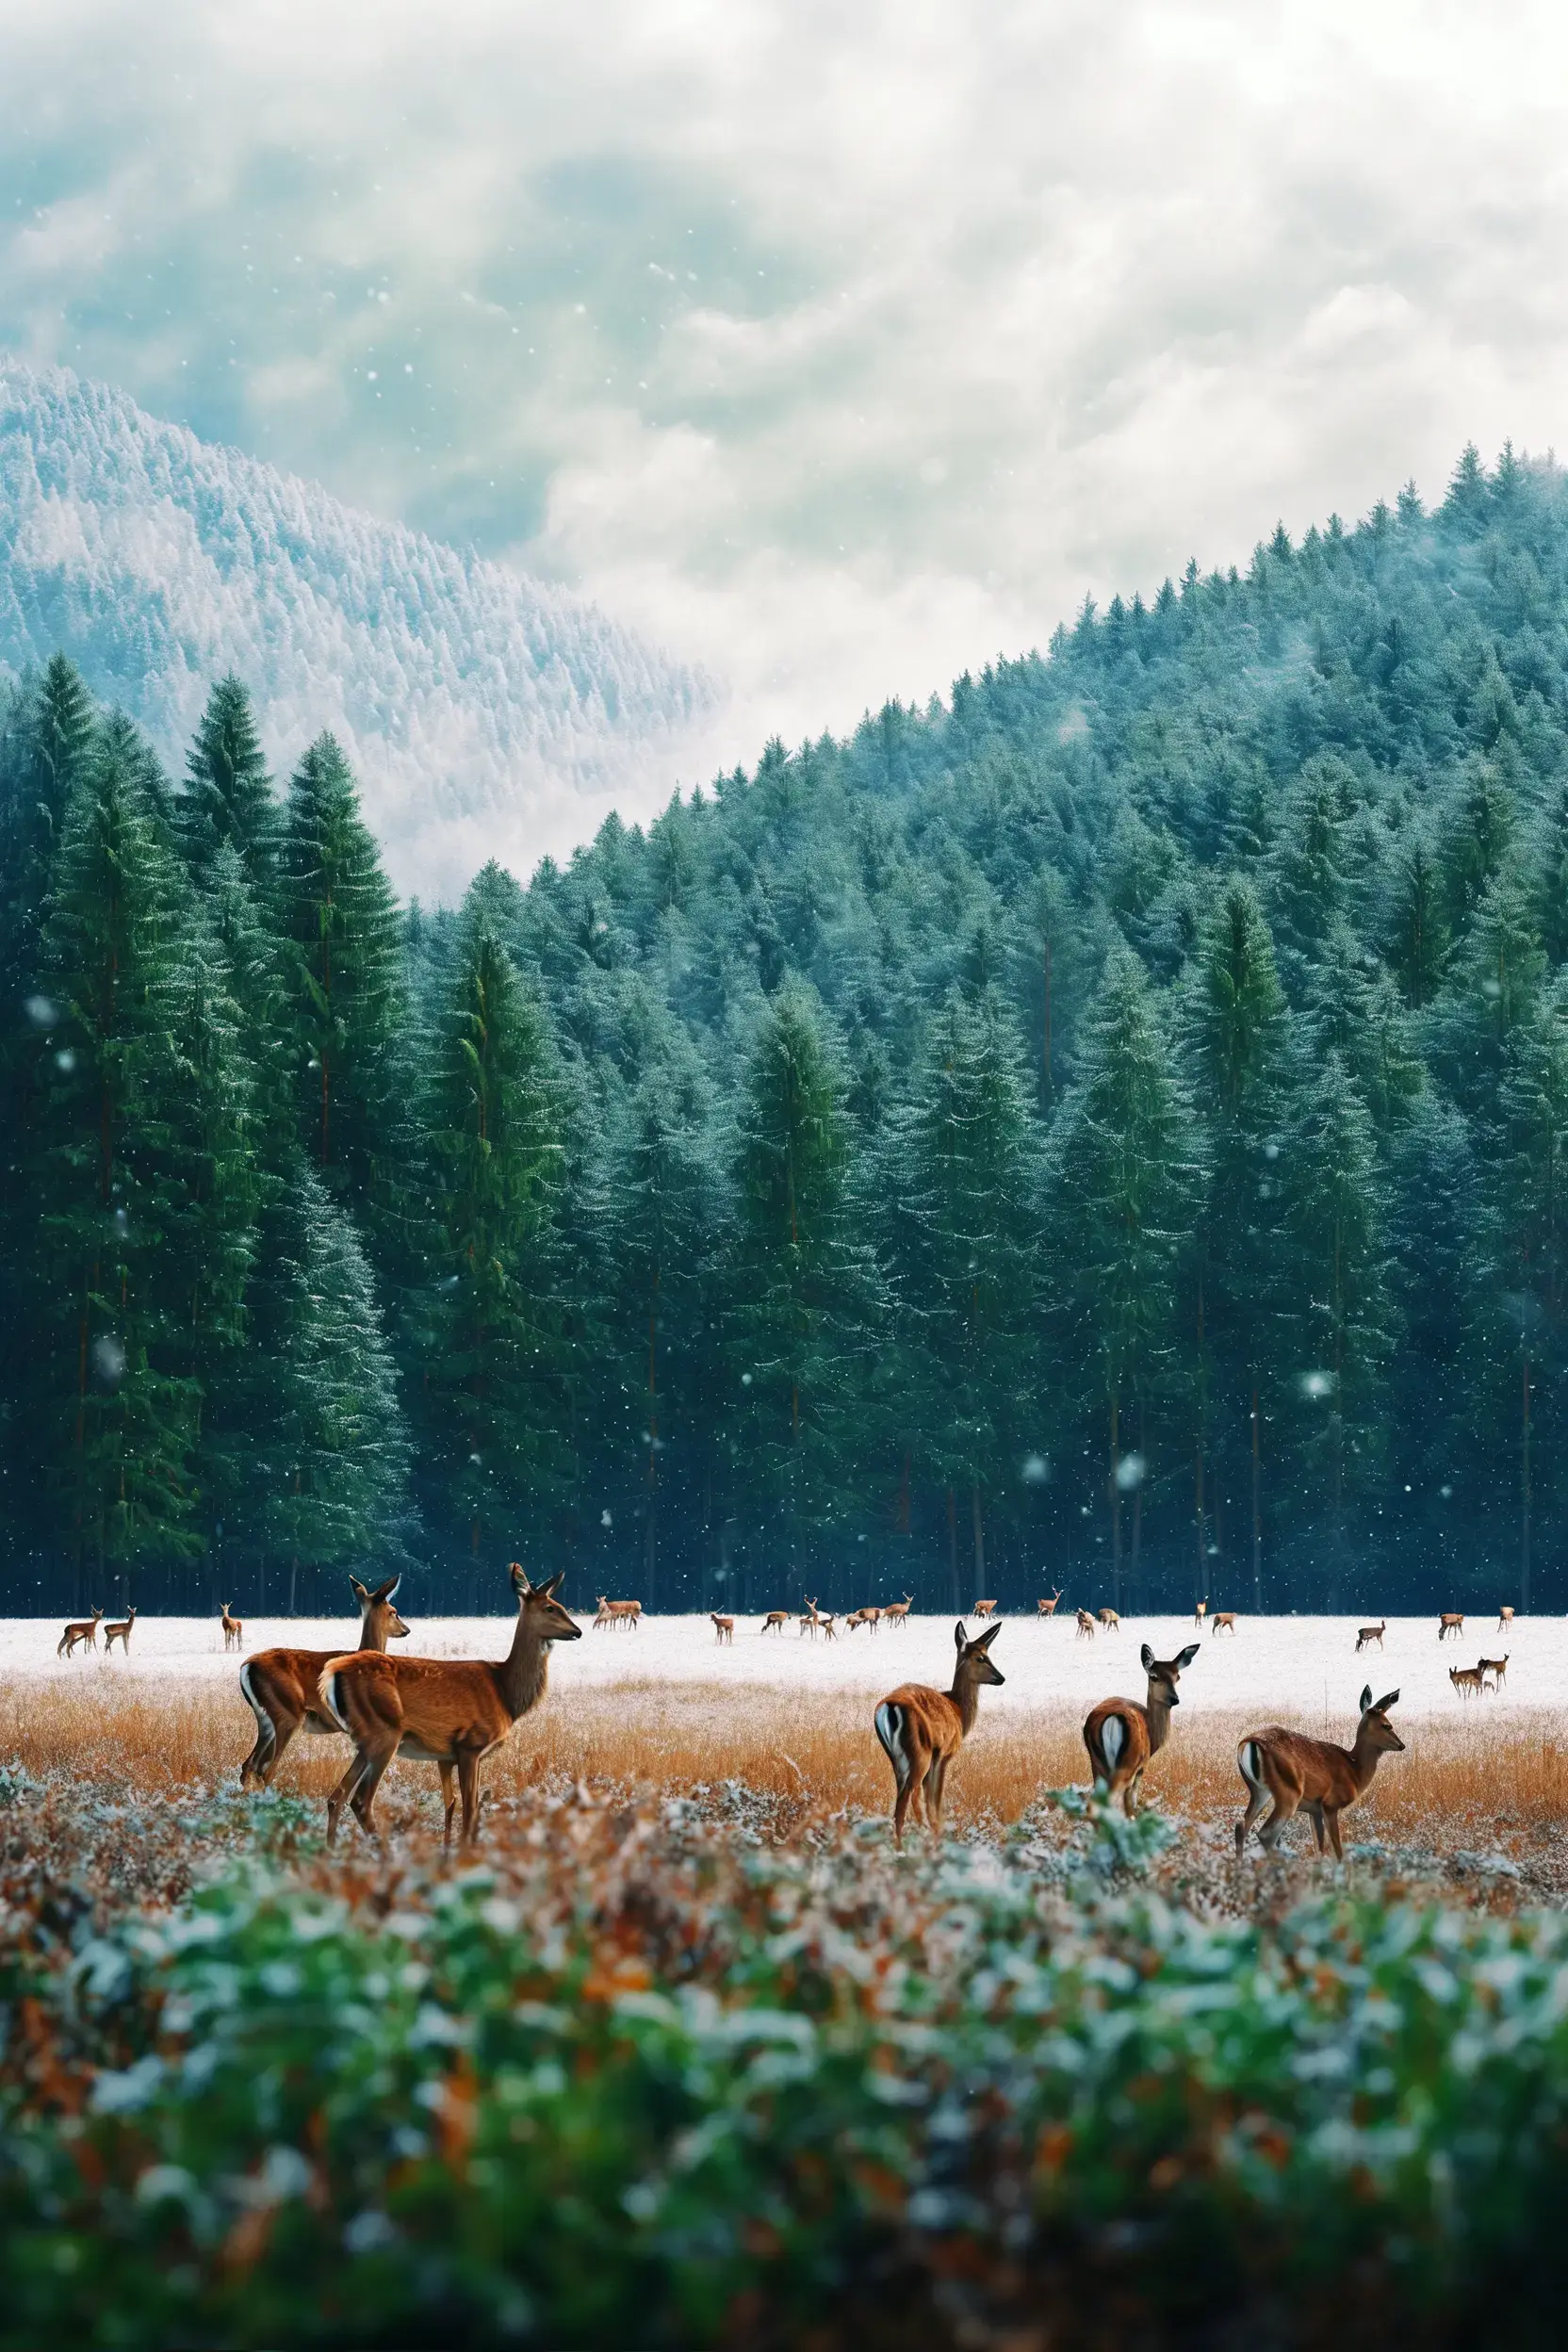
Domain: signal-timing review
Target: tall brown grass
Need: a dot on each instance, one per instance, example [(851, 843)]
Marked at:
[(1483, 1778)]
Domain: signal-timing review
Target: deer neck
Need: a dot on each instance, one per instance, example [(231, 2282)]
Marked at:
[(965, 1695), (1365, 1759), (520, 1677), (373, 1630), (1157, 1715)]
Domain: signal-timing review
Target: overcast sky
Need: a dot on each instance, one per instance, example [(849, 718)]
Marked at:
[(838, 346)]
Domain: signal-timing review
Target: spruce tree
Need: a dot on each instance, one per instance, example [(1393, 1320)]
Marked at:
[(1419, 933), (228, 796)]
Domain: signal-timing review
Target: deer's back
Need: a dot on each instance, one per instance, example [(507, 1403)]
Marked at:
[(1317, 1767), (931, 1712)]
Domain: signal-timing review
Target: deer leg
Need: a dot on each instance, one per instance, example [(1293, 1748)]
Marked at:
[(1333, 1837), (1285, 1805), (1255, 1802), (1315, 1814), (908, 1800), (449, 1802), (934, 1779), (1130, 1792), (467, 1781), (372, 1760)]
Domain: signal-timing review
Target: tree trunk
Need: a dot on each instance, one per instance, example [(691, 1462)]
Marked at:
[(979, 1519), (1525, 1494), (1257, 1511), (952, 1548), (1115, 1503)]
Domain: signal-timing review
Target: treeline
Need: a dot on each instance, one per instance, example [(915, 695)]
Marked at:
[(1104, 1132)]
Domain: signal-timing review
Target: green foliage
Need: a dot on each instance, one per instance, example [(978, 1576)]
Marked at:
[(228, 798)]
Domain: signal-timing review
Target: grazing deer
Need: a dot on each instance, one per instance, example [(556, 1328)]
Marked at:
[(618, 1612), (1121, 1735), (921, 1730), (1086, 1625), (233, 1627), (1048, 1609), (722, 1626), (869, 1617), (1313, 1775), (897, 1613), (775, 1621), (985, 1608), (1451, 1622), (1466, 1680), (85, 1629), (1201, 1609), (829, 1625), (450, 1712), (1505, 1618), (1366, 1635), (283, 1688), (121, 1633), (1223, 1621), (1496, 1668), (1110, 1620)]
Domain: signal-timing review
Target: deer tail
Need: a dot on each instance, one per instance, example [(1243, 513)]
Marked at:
[(889, 1720)]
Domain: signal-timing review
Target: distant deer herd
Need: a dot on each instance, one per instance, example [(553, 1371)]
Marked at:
[(454, 1713)]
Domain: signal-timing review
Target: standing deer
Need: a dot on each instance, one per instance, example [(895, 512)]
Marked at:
[(1048, 1609), (1110, 1620), (1451, 1622), (897, 1613), (985, 1608), (233, 1627), (1505, 1618), (809, 1623), (618, 1612), (921, 1729), (1313, 1775), (450, 1712), (1467, 1680), (283, 1688), (1199, 1611), (1496, 1668), (1223, 1621), (829, 1624), (775, 1621), (1366, 1635), (121, 1633), (1086, 1625), (722, 1626), (1121, 1735), (84, 1629)]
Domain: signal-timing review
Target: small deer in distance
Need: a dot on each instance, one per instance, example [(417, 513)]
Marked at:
[(1223, 1621), (1313, 1777), (618, 1612), (84, 1629), (1467, 1680), (1451, 1622), (1496, 1668), (775, 1621), (1366, 1635), (921, 1729), (1121, 1735), (1111, 1620), (1200, 1611), (722, 1626), (233, 1627), (897, 1613), (1505, 1618), (120, 1632), (1048, 1609), (985, 1608), (1086, 1625)]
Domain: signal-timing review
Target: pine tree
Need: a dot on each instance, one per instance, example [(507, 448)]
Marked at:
[(493, 1410), (1435, 1229), (1353, 1009), (1418, 928), (1308, 878), (1126, 1185), (228, 796)]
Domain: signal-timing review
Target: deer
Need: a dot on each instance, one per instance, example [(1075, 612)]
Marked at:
[(233, 1627), (1313, 1775), (829, 1624), (1223, 1621), (84, 1629), (921, 1729), (1110, 1620), (1048, 1609), (1086, 1625), (1366, 1635), (1200, 1611), (618, 1612), (120, 1632), (775, 1621), (1121, 1735), (985, 1608), (1505, 1618), (722, 1626), (1451, 1622), (1467, 1680), (448, 1712), (897, 1613), (870, 1617), (809, 1623), (1496, 1668), (281, 1687)]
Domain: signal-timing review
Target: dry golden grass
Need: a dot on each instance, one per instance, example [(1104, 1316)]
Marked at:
[(1490, 1777)]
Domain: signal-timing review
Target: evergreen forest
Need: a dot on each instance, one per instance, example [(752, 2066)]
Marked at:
[(1101, 1131)]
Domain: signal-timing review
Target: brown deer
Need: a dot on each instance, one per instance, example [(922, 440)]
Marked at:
[(1467, 1680), (921, 1729), (1451, 1622), (1201, 1609), (281, 1687), (618, 1612), (869, 1617), (1223, 1621), (233, 1627), (829, 1624), (1110, 1619), (722, 1626), (1505, 1618), (897, 1613), (775, 1621), (1048, 1609), (1496, 1668), (810, 1621), (448, 1712), (1086, 1625), (1366, 1635), (1314, 1776), (120, 1632), (84, 1629), (1121, 1735), (985, 1608)]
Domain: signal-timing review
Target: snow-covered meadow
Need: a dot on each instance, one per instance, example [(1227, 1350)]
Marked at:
[(1303, 1669)]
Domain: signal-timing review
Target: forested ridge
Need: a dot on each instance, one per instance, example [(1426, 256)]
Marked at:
[(1103, 1130)]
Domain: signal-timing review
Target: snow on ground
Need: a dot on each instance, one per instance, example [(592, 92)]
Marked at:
[(1302, 1669)]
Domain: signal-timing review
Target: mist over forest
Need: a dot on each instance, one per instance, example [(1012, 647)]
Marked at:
[(1103, 1131)]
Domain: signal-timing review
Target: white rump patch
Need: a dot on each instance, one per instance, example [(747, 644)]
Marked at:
[(890, 1730), (1250, 1762), (1113, 1738)]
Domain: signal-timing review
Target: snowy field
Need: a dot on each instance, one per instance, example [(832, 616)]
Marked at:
[(1304, 1669)]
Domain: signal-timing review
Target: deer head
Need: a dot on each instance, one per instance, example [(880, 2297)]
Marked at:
[(539, 1609), (380, 1598), (1163, 1678), (974, 1662), (1375, 1730)]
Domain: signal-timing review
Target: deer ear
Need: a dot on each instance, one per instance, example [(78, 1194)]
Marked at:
[(519, 1580), (1366, 1698), (548, 1591), (987, 1636), (1392, 1700), (361, 1595), (959, 1637), (1147, 1656), (1189, 1654), (389, 1590)]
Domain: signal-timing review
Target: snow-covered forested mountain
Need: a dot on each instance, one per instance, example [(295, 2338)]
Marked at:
[(487, 714)]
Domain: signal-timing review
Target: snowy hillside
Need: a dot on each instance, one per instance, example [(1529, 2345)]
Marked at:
[(485, 714)]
